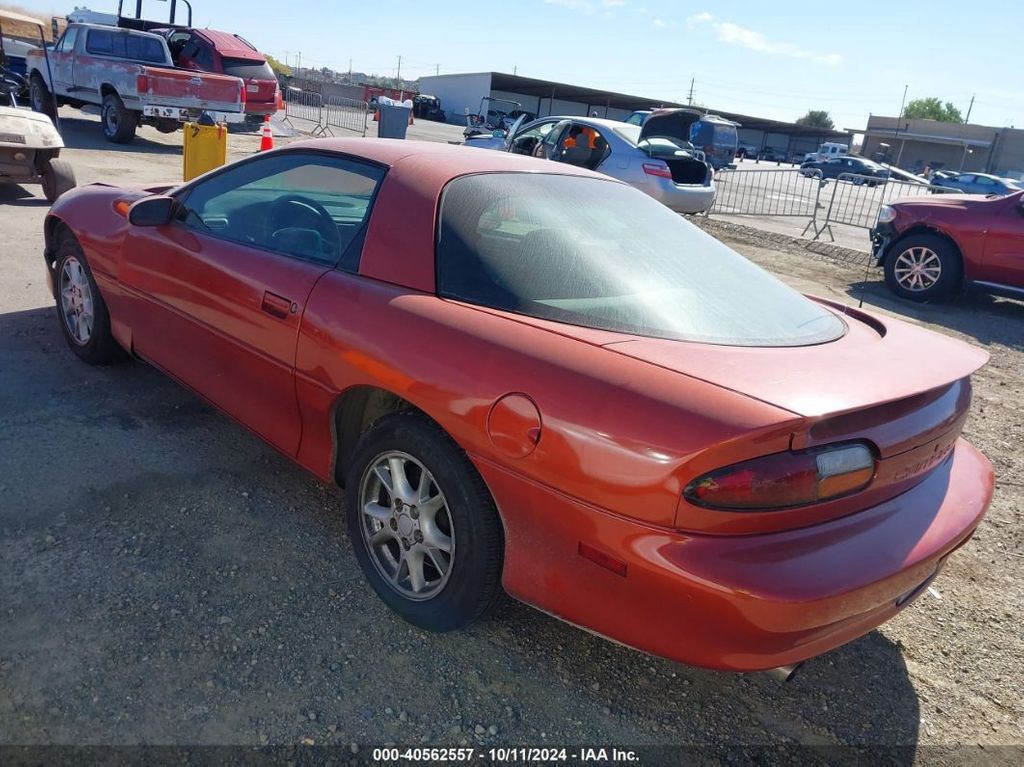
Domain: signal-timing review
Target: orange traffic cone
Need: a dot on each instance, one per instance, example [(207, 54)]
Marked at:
[(411, 121), (376, 115), (267, 139)]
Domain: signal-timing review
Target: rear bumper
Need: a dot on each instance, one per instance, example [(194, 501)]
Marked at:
[(741, 603), (681, 198), (182, 114)]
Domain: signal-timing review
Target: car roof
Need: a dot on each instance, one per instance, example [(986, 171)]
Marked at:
[(405, 211), (448, 161), (230, 45), (595, 122), (120, 30), (19, 17)]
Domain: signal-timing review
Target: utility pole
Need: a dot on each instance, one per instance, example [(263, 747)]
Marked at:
[(437, 69), (298, 66), (969, 108), (399, 75), (896, 133), (689, 99)]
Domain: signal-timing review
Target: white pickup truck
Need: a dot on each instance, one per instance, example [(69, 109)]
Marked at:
[(131, 76)]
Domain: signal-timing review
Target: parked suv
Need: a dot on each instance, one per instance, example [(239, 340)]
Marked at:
[(208, 50), (931, 246)]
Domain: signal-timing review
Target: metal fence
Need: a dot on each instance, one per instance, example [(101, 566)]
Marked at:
[(773, 192), (325, 114), (851, 200), (345, 114), (304, 106), (856, 200)]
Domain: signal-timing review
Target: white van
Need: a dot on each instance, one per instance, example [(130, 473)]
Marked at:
[(827, 151)]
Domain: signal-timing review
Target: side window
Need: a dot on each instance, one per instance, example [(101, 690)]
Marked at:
[(583, 146), (547, 147), (635, 119), (67, 41), (982, 181), (526, 141), (100, 42), (308, 206), (965, 178)]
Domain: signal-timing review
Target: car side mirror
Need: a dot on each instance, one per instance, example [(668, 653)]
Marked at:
[(152, 211)]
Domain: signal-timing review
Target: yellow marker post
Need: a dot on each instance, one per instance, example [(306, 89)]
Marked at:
[(205, 148)]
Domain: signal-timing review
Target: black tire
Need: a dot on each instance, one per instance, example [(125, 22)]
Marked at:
[(58, 177), (119, 122), (941, 267), (100, 348), (473, 584), (40, 97)]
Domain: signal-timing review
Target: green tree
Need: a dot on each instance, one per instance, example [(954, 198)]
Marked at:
[(933, 109), (817, 118), (278, 67)]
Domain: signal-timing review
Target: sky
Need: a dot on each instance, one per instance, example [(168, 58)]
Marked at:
[(768, 59)]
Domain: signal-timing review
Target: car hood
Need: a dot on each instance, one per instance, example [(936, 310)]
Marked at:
[(878, 360), (950, 201)]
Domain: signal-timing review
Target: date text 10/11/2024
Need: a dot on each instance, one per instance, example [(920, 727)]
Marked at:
[(505, 754)]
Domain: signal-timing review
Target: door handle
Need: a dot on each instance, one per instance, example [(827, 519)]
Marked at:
[(278, 306)]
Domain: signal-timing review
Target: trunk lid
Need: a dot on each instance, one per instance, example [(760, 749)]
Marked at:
[(904, 390), (877, 361), (671, 123)]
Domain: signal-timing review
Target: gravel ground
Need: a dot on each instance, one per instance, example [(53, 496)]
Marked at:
[(169, 579)]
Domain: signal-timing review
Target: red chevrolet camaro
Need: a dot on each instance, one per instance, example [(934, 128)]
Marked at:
[(533, 379)]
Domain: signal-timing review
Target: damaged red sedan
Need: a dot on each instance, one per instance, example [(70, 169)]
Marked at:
[(532, 379)]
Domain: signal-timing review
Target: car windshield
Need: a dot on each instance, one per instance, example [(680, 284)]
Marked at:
[(600, 254)]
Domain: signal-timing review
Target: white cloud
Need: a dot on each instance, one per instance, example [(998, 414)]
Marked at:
[(734, 34), (613, 3), (659, 23)]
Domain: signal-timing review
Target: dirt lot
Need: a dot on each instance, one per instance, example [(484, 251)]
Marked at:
[(168, 579)]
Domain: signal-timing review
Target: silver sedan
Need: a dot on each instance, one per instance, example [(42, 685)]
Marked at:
[(665, 168)]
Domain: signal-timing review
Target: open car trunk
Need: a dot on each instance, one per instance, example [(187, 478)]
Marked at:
[(685, 164)]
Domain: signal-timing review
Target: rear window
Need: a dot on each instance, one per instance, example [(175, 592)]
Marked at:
[(126, 46), (248, 69), (603, 255)]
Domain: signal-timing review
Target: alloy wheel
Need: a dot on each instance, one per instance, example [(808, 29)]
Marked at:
[(76, 301), (917, 269), (406, 525)]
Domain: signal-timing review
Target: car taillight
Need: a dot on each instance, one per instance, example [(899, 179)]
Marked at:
[(241, 91), (142, 83), (786, 479), (657, 169)]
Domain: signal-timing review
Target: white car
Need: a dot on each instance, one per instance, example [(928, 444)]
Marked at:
[(669, 170)]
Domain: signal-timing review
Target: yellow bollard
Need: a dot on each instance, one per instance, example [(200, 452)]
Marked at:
[(205, 148)]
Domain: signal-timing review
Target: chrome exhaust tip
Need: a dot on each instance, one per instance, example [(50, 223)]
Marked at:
[(784, 673)]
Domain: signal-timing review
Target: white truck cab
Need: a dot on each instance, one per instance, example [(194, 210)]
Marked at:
[(827, 151)]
